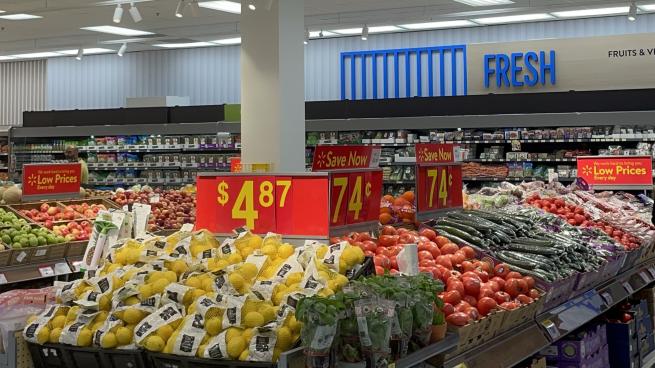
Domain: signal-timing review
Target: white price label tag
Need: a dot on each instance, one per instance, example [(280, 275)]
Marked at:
[(46, 271), (62, 268), (628, 288), (3, 279), (154, 198), (21, 256), (40, 252), (550, 328), (187, 227), (608, 299)]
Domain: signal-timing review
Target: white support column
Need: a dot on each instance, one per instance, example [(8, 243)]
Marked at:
[(272, 84)]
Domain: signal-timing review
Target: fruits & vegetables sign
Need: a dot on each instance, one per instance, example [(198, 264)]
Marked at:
[(632, 172), (51, 180)]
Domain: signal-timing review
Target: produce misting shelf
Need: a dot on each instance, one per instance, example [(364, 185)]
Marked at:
[(525, 340)]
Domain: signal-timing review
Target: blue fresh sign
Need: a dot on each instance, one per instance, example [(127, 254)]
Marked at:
[(520, 69)]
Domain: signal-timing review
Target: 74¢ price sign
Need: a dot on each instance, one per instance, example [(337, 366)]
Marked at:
[(439, 187), (355, 197)]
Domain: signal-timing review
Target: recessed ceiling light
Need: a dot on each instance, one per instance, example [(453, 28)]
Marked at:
[(485, 2), (89, 51), (20, 16), (316, 34), (228, 41), (347, 31), (222, 5), (117, 30), (591, 12), (35, 55), (382, 29), (514, 18), (436, 25), (181, 45), (647, 7)]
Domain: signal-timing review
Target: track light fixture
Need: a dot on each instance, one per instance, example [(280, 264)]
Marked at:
[(80, 53), (118, 13), (365, 33), (134, 12), (632, 14), (252, 6), (320, 34), (121, 51), (179, 10), (306, 40)]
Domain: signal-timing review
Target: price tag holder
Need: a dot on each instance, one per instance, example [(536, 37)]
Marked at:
[(607, 297), (628, 288), (644, 276), (46, 271), (3, 279), (651, 270), (551, 328)]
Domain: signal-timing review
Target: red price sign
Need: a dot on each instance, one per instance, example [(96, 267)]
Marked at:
[(285, 204), (355, 197), (439, 187), (631, 172), (51, 180)]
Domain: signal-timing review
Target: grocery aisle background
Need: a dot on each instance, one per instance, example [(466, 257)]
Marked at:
[(211, 75)]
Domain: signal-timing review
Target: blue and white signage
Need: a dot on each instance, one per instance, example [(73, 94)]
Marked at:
[(520, 69)]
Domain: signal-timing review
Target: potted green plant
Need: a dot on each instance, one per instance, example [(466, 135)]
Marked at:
[(319, 317), (439, 327)]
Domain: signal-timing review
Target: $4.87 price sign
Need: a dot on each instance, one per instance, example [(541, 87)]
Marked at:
[(355, 197), (252, 201), (284, 204), (439, 187)]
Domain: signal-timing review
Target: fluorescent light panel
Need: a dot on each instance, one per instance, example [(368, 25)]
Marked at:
[(20, 16), (514, 18), (485, 2), (118, 30), (7, 58), (348, 31), (222, 5), (591, 12), (315, 34), (647, 7), (436, 25), (183, 45), (228, 41), (89, 51), (35, 55), (382, 29)]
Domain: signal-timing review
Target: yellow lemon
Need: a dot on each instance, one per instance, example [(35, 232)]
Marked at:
[(284, 251), (72, 313), (245, 252), (320, 252), (255, 242), (145, 291), (58, 322), (133, 316), (208, 285), (105, 302), (193, 282), (171, 276), (165, 332), (120, 258), (131, 300), (232, 332), (109, 341), (284, 339), (213, 325), (235, 346), (248, 270), (123, 336), (33, 318), (268, 312), (253, 319), (236, 280), (201, 350), (43, 335), (84, 338), (293, 323), (244, 355), (54, 335), (154, 343), (269, 250), (247, 334), (234, 258), (159, 286)]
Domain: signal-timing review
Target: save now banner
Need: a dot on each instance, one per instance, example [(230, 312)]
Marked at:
[(49, 180), (628, 171), (345, 157)]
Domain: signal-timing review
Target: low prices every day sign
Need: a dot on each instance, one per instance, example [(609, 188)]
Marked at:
[(628, 171), (438, 177), (51, 179), (284, 204)]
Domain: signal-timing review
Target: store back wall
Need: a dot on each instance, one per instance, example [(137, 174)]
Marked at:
[(211, 75)]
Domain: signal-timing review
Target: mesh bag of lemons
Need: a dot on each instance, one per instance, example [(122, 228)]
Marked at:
[(187, 294)]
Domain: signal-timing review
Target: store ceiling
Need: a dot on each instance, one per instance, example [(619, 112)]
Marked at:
[(59, 27)]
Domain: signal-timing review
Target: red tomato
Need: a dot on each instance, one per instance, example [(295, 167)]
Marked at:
[(509, 305), (382, 251), (467, 266), (513, 275), (444, 261), (393, 263), (502, 297), (442, 269), (483, 275), (363, 237), (471, 274), (388, 230), (500, 281), (471, 286), (473, 313), (486, 305), (529, 280), (393, 271), (493, 285), (523, 286), (487, 267), (422, 246), (534, 294), (458, 319), (571, 222), (379, 270), (424, 254), (524, 299), (422, 239), (401, 231), (434, 249), (369, 245), (448, 309), (388, 240), (462, 306), (501, 270), (441, 240), (428, 233), (382, 261), (485, 291), (369, 253), (449, 248), (472, 300), (435, 272), (453, 297), (455, 285), (457, 258), (427, 263), (512, 287), (449, 275), (407, 238), (468, 251)]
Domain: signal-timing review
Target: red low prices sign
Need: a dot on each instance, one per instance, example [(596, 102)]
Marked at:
[(345, 157), (629, 171), (284, 204), (49, 180), (438, 177)]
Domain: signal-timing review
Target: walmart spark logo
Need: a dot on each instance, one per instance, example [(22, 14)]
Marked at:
[(321, 159), (32, 179), (587, 170)]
